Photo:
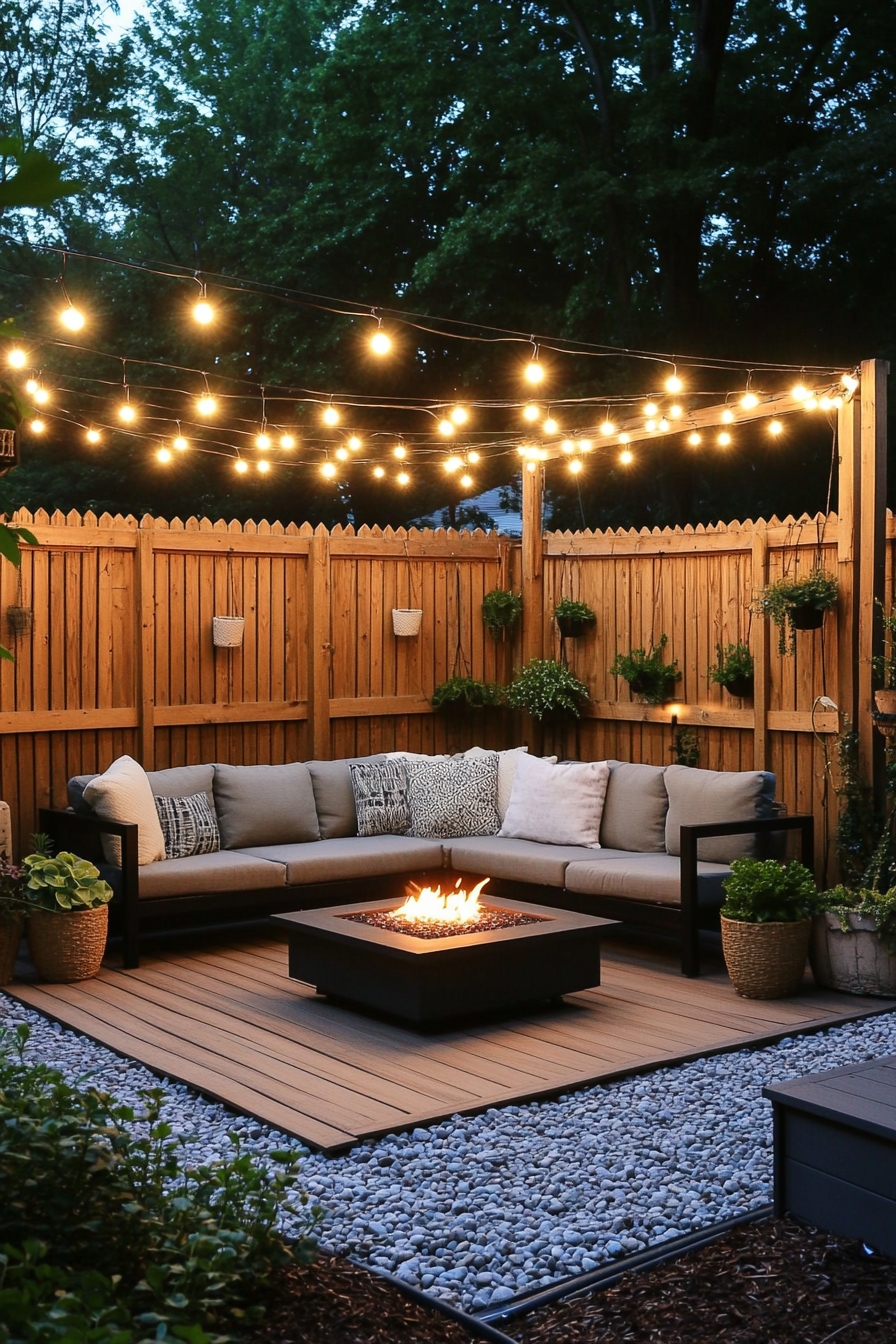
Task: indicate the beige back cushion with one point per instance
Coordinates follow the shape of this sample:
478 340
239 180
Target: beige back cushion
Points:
123 793
635 809
264 805
698 797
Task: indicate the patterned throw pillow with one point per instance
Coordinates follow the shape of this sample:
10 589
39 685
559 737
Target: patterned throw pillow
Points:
189 826
449 799
381 797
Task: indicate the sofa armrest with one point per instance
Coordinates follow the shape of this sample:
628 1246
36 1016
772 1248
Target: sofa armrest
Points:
805 824
64 827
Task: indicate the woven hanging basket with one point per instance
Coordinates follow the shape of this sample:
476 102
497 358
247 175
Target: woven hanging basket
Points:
68 945
12 926
227 631
406 621
766 961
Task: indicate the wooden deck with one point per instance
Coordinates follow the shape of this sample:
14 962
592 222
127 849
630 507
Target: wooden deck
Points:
225 1018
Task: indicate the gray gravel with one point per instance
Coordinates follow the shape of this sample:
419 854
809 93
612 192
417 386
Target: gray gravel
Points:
481 1208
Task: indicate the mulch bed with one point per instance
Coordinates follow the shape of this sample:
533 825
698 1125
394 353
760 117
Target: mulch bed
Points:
773 1282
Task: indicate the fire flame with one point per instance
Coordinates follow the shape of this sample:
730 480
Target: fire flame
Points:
428 905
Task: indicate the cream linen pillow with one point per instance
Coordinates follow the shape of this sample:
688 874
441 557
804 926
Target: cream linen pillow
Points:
506 770
557 804
123 793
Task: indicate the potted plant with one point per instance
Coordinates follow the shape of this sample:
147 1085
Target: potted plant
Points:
883 665
733 669
853 946
766 925
68 913
573 618
12 918
648 674
501 610
462 693
545 689
798 604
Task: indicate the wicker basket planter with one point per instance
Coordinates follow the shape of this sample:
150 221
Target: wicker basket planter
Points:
406 621
68 945
227 631
853 960
12 926
765 961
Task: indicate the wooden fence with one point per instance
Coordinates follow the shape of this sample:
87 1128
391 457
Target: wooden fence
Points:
120 655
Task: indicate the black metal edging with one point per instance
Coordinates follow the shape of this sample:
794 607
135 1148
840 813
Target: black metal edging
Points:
474 1325
606 1275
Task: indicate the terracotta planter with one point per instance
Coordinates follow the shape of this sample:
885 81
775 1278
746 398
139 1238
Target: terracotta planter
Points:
765 961
12 926
68 945
806 618
854 961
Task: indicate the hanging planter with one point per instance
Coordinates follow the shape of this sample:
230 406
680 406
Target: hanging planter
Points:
406 621
547 690
501 610
573 618
459 694
798 604
648 674
19 619
734 670
227 631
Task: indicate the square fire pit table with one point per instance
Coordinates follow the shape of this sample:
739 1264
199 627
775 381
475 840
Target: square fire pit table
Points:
429 980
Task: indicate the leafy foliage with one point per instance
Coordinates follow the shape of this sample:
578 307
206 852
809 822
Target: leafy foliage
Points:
734 663
648 674
818 590
544 688
12 900
883 665
761 891
467 693
858 826
877 905
569 610
686 747
63 882
501 610
103 1228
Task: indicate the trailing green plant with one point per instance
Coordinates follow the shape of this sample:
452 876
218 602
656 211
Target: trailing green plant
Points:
12 899
61 881
544 688
880 906
734 663
115 1227
762 891
501 610
467 692
568 610
778 601
883 665
686 747
648 674
858 825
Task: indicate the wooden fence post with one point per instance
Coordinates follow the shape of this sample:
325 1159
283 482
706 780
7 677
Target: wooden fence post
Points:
533 561
760 657
848 514
145 621
872 544
319 644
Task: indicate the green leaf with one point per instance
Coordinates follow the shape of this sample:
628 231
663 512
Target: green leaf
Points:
37 181
9 545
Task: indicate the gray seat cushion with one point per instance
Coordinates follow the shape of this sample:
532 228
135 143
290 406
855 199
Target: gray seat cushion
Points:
265 805
221 871
698 797
357 856
334 797
520 860
180 781
634 815
646 877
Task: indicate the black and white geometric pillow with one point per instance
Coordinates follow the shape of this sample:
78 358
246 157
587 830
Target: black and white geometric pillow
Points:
381 801
449 799
189 826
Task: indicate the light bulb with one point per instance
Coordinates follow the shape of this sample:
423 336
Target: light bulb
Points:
534 373
164 455
626 457
837 401
41 396
37 426
775 427
203 313
727 417
724 439
287 441
241 466
608 428
354 443
31 386
550 425
623 438
17 359
473 456
180 443
531 466
799 393
127 413
810 403
466 481
674 384
446 427
400 452
342 454
206 405
849 382
453 464
567 446
263 466
531 413
403 478
825 404
379 473
92 436
460 415
72 318
651 409
675 412
328 471
331 416
380 343
263 441
575 466
650 424
584 445
694 439
664 425
749 400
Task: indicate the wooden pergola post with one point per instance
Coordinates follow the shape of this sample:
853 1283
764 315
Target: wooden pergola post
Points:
533 561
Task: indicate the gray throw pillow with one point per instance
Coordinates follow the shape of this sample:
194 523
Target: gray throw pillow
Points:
189 826
449 799
381 797
333 796
702 796
265 805
634 815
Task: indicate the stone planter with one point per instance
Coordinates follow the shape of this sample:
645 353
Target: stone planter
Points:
853 961
12 926
765 961
68 945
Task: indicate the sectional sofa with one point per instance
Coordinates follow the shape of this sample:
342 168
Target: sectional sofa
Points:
289 841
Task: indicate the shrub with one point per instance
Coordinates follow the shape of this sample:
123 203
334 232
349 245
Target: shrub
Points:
761 891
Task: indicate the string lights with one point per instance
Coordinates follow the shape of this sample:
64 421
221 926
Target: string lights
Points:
16 358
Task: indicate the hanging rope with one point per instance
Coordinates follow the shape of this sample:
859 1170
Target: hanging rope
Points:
460 658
